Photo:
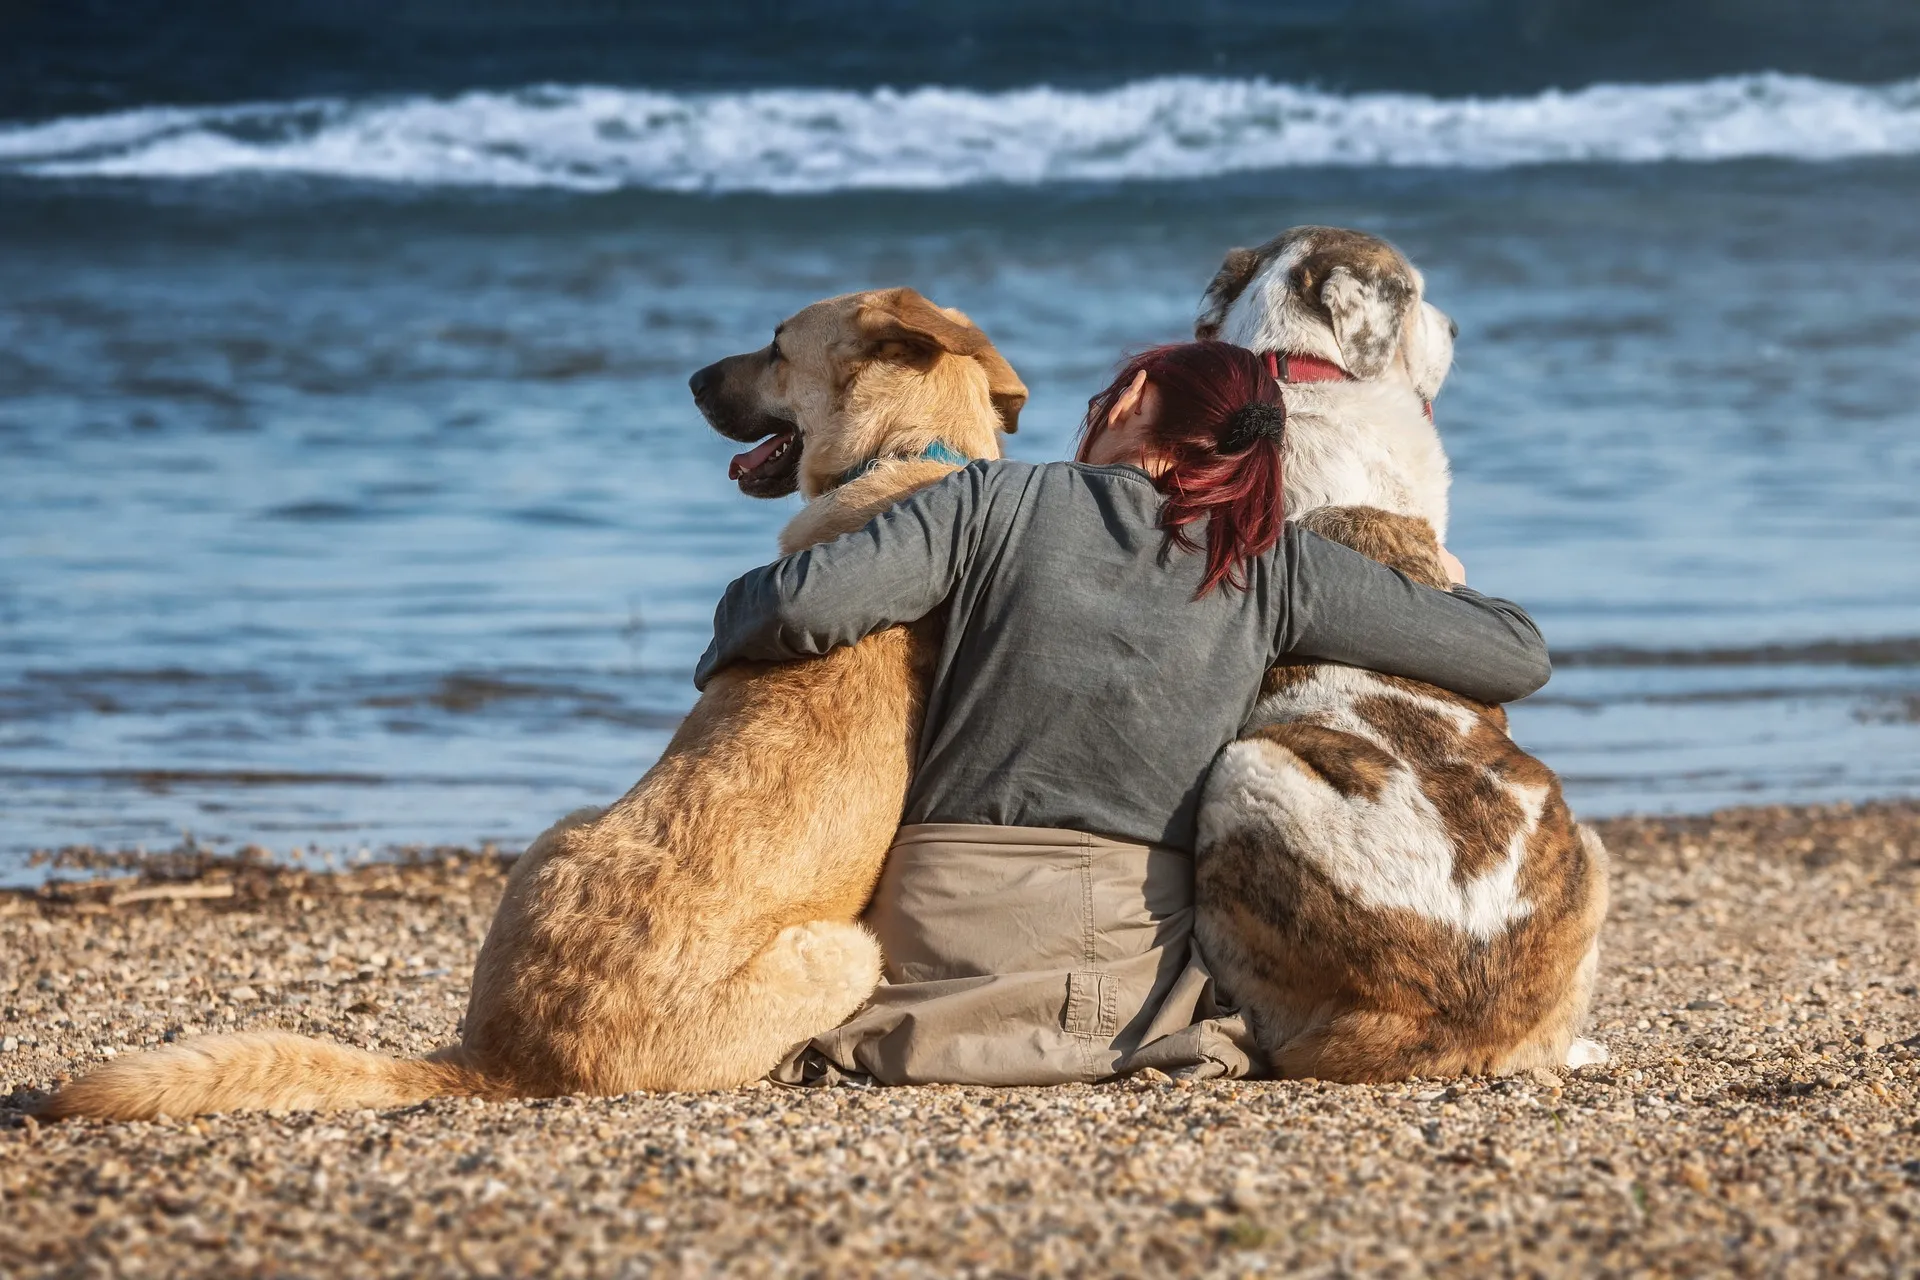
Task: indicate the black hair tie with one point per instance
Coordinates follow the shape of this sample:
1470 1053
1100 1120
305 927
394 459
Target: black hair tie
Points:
1252 423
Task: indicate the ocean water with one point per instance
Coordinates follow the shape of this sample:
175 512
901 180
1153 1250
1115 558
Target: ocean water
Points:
352 496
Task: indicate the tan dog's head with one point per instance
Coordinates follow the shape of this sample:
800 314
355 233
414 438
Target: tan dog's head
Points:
1341 295
1400 542
854 378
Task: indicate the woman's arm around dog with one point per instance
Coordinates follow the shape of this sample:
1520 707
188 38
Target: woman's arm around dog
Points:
896 568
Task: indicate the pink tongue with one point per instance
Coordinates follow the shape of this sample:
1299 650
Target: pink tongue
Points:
752 458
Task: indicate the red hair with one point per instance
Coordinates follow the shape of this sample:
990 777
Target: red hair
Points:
1201 385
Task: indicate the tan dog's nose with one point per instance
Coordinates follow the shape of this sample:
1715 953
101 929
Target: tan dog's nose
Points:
704 381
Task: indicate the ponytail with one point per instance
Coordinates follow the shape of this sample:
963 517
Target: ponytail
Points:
1220 425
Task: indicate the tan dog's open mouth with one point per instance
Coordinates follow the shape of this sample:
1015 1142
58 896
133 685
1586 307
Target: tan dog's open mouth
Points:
770 469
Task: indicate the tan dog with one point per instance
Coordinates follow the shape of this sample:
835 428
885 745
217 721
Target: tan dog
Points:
1363 353
1387 885
689 935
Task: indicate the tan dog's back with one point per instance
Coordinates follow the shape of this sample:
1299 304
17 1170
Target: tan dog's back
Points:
1386 883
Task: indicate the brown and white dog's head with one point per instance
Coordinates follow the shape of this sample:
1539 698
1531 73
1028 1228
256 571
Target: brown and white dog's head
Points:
862 376
1342 296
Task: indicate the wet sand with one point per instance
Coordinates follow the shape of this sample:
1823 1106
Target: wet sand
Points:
1761 1115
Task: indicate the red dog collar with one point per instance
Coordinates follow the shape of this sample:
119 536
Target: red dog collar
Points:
1288 367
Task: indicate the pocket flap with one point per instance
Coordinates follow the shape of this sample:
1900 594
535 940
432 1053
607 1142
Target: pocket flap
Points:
1092 1004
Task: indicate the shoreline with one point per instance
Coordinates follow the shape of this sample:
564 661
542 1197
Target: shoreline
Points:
75 875
1760 993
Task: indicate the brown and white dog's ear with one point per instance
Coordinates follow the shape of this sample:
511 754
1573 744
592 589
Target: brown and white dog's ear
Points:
904 318
1367 317
1228 283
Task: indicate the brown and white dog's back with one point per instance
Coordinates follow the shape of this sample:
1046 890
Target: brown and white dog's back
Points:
1387 885
1353 306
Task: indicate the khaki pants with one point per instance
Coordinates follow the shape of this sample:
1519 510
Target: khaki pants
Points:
1028 955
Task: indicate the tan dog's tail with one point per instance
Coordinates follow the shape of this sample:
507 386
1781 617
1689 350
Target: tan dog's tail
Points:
263 1070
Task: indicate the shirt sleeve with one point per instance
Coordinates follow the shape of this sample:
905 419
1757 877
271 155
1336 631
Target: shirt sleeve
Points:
1344 607
896 568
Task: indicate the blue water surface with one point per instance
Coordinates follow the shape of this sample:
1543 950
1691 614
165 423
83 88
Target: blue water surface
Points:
356 516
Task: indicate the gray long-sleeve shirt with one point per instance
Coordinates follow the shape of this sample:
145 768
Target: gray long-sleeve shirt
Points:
1080 683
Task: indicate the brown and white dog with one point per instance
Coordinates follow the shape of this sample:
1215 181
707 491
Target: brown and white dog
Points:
1363 353
1386 884
1344 316
690 934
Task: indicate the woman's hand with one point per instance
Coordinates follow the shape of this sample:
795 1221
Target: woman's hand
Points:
1456 572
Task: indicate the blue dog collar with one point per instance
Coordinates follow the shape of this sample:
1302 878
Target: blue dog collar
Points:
935 452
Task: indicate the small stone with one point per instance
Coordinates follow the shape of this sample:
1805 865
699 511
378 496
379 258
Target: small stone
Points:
243 995
1872 1040
1545 1077
1244 1196
1698 1006
9 1044
1697 1177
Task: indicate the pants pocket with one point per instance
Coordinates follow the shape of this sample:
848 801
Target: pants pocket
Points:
1093 1004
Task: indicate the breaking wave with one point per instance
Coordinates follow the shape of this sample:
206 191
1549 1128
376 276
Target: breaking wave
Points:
791 141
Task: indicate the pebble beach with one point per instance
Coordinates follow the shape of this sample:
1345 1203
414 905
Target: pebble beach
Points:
1760 1115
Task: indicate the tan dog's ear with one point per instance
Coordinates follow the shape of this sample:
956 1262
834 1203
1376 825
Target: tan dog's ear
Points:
1368 318
1228 283
1008 393
905 318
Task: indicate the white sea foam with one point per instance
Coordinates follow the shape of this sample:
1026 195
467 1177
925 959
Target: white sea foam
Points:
811 140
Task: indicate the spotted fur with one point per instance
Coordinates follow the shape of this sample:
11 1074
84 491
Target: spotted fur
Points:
1387 884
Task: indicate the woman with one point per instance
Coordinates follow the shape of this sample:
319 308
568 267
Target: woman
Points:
1109 622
